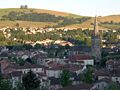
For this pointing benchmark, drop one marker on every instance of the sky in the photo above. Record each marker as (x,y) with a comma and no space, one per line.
(80,7)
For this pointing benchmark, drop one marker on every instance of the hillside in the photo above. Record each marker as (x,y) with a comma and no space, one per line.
(38,18)
(43,18)
(110,22)
(56,13)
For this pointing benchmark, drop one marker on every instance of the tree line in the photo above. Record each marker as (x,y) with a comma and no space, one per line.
(43,17)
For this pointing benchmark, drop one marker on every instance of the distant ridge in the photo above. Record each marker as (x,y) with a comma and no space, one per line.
(111,21)
(5,11)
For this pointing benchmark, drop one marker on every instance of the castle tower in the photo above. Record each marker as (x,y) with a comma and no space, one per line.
(96,42)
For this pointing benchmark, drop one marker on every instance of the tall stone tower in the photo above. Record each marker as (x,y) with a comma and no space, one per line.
(96,42)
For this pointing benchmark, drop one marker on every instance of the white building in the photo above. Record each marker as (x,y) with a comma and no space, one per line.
(82,58)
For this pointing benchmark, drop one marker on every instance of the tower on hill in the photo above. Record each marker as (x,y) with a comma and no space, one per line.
(23,7)
(96,42)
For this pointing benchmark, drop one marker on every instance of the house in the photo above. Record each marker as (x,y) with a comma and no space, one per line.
(113,65)
(44,42)
(3,65)
(16,76)
(52,61)
(63,43)
(44,81)
(80,50)
(3,49)
(8,67)
(40,58)
(116,78)
(74,68)
(51,64)
(82,86)
(54,71)
(100,85)
(84,59)
(101,74)
(76,79)
(54,83)
(114,68)
(33,67)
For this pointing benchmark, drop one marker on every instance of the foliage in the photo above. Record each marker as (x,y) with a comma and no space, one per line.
(30,81)
(21,62)
(19,86)
(88,77)
(43,17)
(113,86)
(5,84)
(65,78)
(37,46)
(104,54)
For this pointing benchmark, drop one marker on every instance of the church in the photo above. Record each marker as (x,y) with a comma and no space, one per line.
(95,49)
(96,43)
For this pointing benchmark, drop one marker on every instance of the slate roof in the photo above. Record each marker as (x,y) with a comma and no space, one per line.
(16,73)
(81,48)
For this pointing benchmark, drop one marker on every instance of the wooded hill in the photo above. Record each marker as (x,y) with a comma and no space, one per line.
(48,18)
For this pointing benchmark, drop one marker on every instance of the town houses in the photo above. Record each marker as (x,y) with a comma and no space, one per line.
(44,67)
(48,59)
(14,64)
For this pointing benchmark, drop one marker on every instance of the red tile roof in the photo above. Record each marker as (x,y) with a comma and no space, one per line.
(82,86)
(80,57)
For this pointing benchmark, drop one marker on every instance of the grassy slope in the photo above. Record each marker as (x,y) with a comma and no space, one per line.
(8,10)
(87,24)
(25,24)
(114,18)
(56,13)
(32,24)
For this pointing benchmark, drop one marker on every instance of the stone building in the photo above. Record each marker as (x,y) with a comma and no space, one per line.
(96,43)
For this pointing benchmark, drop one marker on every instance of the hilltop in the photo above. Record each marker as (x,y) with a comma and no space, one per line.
(48,18)
(6,11)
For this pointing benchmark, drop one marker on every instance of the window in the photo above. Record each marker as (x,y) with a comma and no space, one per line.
(116,79)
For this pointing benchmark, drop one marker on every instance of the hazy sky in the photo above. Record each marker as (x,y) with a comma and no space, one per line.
(81,7)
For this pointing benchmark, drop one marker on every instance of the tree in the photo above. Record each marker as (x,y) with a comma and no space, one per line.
(30,81)
(88,75)
(67,46)
(21,62)
(17,24)
(19,86)
(5,84)
(104,58)
(27,46)
(113,86)
(65,78)
(37,46)
(29,60)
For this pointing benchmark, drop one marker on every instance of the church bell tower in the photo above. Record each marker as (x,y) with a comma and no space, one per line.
(96,42)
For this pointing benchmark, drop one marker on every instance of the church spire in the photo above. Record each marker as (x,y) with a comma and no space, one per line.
(95,26)
(96,48)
